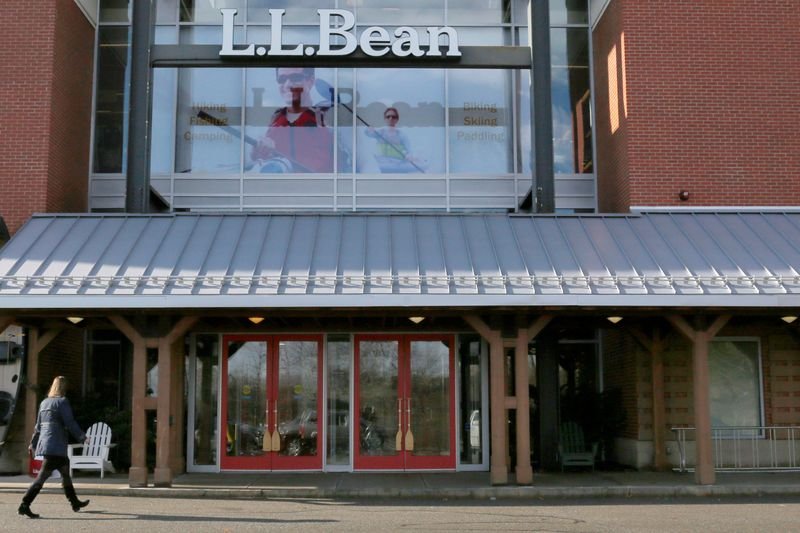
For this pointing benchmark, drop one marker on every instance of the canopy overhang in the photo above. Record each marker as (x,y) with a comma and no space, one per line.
(246,261)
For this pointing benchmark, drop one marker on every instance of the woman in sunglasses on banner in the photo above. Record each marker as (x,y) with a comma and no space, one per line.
(393,150)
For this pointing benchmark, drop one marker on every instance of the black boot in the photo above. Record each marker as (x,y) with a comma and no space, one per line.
(25,509)
(77,505)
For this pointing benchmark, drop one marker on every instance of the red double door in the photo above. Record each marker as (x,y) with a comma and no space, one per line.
(271,402)
(404,398)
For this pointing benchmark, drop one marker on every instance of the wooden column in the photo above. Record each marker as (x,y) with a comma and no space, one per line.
(178,464)
(166,410)
(655,346)
(34,389)
(498,474)
(704,466)
(163,472)
(524,471)
(137,475)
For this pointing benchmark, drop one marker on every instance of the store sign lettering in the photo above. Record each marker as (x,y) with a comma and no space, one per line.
(337,39)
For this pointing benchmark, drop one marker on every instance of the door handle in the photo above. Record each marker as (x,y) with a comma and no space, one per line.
(266,442)
(276,438)
(398,439)
(409,434)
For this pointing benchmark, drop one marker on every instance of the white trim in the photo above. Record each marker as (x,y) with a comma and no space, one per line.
(640,209)
(334,301)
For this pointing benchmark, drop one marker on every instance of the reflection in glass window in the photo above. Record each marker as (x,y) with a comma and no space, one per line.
(400,121)
(206,390)
(297,11)
(561,12)
(208,12)
(571,99)
(569,12)
(572,130)
(480,134)
(111,113)
(735,383)
(114,10)
(162,133)
(479,12)
(289,120)
(209,115)
(417,12)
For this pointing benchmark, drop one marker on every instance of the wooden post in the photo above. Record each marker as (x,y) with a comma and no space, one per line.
(704,465)
(166,410)
(498,473)
(524,470)
(177,429)
(37,341)
(655,346)
(163,472)
(137,474)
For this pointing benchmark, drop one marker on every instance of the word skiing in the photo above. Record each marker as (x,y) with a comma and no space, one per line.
(336,39)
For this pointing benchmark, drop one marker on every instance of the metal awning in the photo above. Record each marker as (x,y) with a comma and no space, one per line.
(237,260)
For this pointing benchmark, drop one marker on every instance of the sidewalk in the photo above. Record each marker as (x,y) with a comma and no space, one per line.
(460,485)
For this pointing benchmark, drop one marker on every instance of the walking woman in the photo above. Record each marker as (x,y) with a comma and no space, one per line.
(50,440)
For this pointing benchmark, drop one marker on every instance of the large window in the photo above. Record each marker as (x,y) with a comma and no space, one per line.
(735,389)
(344,139)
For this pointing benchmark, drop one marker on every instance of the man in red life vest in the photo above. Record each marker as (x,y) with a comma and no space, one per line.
(297,140)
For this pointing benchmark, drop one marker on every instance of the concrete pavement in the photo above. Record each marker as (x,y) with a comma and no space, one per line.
(458,485)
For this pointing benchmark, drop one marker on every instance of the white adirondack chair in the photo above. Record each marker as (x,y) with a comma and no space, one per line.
(95,451)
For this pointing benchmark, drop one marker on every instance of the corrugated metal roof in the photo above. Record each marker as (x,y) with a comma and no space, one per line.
(395,260)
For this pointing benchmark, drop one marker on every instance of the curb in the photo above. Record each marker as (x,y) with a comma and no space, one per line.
(488,493)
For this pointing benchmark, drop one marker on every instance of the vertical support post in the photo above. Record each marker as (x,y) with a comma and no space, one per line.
(177,428)
(163,472)
(137,474)
(499,468)
(543,190)
(137,189)
(704,467)
(524,471)
(659,413)
(37,341)
(704,462)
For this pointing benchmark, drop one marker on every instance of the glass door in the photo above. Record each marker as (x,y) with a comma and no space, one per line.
(405,400)
(270,401)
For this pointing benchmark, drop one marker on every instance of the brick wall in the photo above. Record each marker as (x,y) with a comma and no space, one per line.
(712,103)
(45,90)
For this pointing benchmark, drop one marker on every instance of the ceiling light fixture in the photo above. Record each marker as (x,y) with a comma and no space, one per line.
(75,319)
(416,319)
(256,319)
(788,319)
(614,319)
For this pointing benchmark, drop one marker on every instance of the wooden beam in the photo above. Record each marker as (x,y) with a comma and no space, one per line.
(180,328)
(137,474)
(126,328)
(538,325)
(6,321)
(482,328)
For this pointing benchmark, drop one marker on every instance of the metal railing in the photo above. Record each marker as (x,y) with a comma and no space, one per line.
(744,448)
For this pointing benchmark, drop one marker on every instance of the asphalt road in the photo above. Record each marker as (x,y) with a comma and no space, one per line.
(107,513)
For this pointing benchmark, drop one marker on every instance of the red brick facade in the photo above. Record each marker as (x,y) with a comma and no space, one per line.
(46,53)
(711,104)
